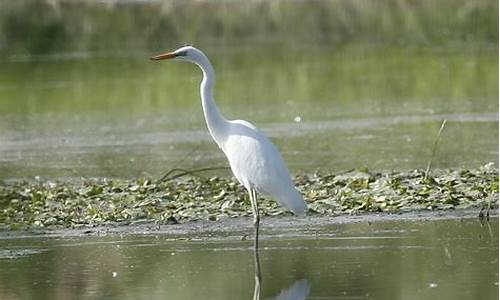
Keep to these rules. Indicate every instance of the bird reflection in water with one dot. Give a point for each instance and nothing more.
(299, 290)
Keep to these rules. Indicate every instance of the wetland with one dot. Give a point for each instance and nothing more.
(111, 188)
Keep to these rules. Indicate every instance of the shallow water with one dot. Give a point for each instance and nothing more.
(126, 116)
(336, 84)
(438, 259)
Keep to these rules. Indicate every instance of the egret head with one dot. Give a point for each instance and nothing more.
(186, 53)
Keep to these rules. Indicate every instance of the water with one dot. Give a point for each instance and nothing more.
(120, 118)
(96, 106)
(433, 259)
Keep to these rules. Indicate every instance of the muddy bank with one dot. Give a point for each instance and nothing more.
(241, 228)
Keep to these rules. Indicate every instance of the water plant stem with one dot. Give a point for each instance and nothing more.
(434, 148)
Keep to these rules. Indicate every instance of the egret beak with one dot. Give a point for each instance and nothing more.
(167, 55)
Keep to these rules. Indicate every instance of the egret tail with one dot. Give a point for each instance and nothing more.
(293, 200)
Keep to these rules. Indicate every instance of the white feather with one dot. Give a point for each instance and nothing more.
(253, 158)
(257, 164)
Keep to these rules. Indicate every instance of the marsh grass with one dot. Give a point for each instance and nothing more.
(38, 27)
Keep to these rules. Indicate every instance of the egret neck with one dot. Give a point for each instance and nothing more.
(216, 123)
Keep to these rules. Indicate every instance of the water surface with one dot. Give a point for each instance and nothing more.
(330, 109)
(439, 259)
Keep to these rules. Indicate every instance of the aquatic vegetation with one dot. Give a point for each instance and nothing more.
(88, 202)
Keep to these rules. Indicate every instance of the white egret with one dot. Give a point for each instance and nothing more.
(254, 160)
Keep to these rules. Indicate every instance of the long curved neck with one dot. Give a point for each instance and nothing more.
(216, 122)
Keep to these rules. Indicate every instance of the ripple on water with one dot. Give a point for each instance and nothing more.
(19, 253)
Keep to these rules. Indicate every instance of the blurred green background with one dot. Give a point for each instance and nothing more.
(40, 27)
(336, 84)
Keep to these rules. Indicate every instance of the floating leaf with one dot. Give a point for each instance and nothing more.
(101, 201)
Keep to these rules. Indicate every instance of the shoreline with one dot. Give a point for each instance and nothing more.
(241, 227)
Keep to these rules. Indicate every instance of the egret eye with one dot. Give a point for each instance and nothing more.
(182, 53)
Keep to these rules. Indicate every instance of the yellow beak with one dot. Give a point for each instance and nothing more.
(162, 56)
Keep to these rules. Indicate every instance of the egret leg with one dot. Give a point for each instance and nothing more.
(256, 291)
(256, 220)
(256, 217)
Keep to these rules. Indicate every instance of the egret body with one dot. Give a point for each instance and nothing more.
(253, 158)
